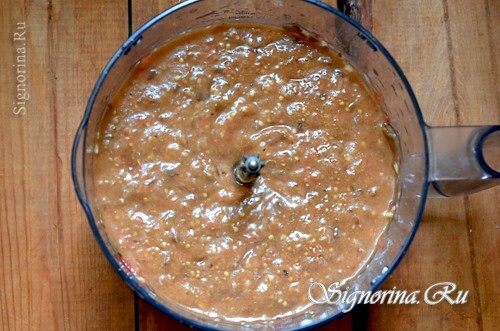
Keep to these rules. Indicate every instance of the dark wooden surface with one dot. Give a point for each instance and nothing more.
(53, 275)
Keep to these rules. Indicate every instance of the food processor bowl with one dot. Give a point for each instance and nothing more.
(426, 154)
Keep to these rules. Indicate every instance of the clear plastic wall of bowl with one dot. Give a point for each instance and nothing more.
(344, 36)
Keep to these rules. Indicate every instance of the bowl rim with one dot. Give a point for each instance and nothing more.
(81, 133)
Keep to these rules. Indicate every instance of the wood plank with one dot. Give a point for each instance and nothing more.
(416, 35)
(474, 31)
(84, 38)
(28, 212)
(143, 11)
(493, 25)
(52, 274)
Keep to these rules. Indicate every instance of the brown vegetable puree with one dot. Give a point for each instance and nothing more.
(185, 117)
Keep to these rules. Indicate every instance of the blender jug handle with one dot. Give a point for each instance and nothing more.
(463, 160)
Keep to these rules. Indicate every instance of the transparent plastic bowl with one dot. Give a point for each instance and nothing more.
(449, 160)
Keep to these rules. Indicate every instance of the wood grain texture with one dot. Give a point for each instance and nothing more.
(53, 275)
(416, 35)
(91, 282)
(475, 34)
(445, 49)
(25, 256)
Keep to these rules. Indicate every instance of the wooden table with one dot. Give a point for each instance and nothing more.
(53, 275)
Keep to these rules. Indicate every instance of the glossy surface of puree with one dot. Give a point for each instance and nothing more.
(174, 131)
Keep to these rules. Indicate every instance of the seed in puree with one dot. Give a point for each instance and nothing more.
(164, 163)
